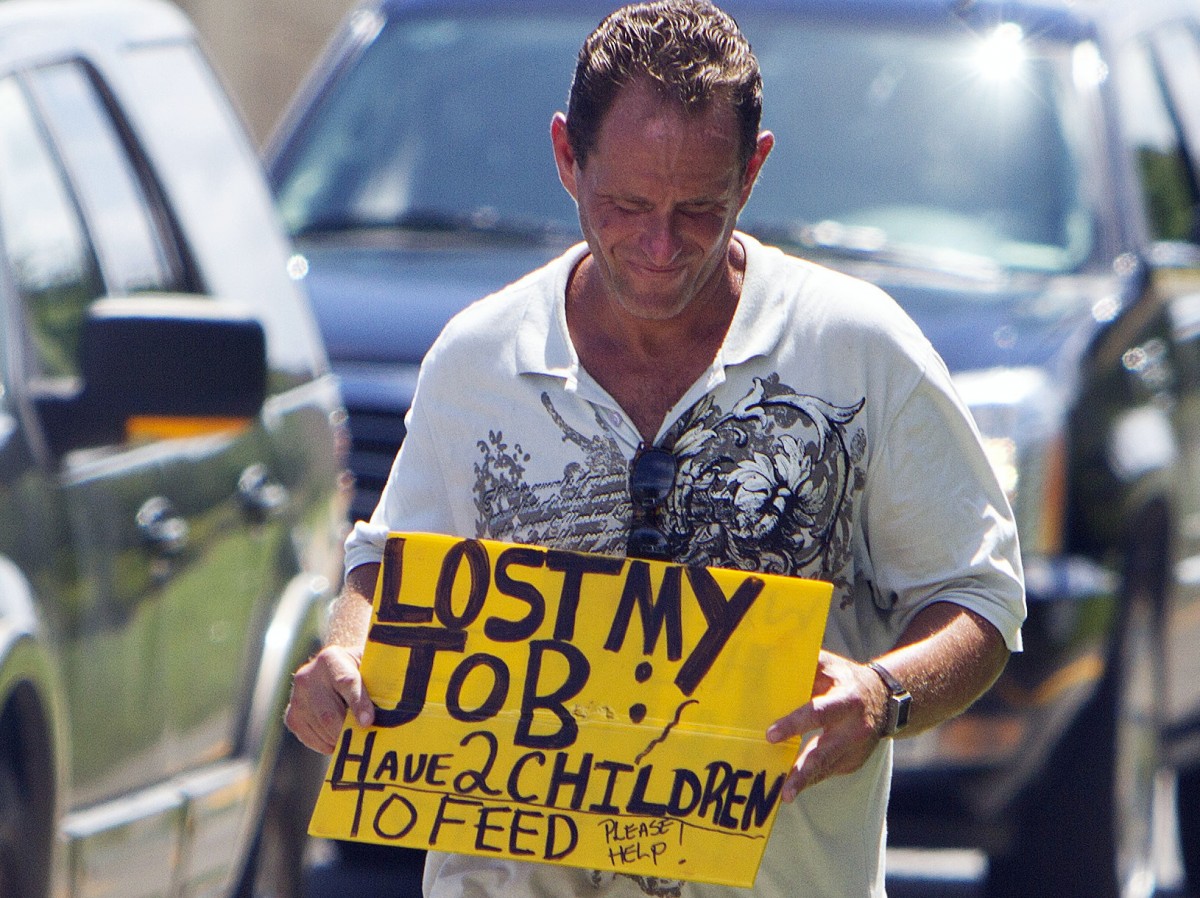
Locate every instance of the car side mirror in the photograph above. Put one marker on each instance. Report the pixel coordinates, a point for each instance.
(161, 366)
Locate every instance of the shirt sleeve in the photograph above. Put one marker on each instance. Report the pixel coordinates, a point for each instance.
(937, 525)
(414, 499)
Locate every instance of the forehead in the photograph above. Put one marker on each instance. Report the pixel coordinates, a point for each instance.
(641, 107)
(642, 130)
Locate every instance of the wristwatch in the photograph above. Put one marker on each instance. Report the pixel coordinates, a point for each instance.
(899, 700)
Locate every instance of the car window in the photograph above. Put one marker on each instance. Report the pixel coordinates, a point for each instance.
(417, 135)
(1179, 56)
(1152, 137)
(127, 228)
(967, 144)
(47, 249)
(208, 166)
(964, 144)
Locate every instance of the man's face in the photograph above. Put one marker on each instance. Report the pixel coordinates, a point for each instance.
(658, 199)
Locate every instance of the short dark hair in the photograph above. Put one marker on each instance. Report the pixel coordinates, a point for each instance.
(690, 51)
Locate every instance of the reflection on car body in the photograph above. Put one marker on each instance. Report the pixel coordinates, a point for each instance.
(170, 517)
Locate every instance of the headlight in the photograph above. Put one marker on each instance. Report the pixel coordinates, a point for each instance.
(1019, 412)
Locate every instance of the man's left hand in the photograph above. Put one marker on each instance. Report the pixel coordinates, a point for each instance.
(847, 710)
(947, 657)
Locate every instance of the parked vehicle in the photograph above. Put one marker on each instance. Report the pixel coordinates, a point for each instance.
(1022, 175)
(170, 508)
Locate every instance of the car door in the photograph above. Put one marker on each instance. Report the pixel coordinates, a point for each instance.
(108, 609)
(207, 521)
(225, 486)
(1161, 110)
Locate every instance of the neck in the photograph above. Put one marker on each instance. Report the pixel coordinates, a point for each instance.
(648, 365)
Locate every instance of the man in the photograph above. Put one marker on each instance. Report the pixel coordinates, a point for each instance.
(770, 414)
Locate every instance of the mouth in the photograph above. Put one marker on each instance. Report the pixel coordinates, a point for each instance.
(657, 272)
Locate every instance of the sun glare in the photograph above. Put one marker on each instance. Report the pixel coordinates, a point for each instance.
(1002, 54)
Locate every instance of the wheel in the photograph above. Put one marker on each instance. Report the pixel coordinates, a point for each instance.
(1189, 827)
(25, 822)
(1087, 830)
(281, 855)
(12, 870)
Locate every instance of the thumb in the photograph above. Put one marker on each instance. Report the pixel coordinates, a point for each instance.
(348, 683)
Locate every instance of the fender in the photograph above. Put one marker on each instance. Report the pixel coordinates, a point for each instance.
(292, 635)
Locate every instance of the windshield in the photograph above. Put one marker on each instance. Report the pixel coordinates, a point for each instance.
(939, 149)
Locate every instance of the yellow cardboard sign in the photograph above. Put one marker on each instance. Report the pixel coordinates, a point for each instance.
(576, 709)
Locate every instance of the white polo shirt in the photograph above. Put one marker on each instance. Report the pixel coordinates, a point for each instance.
(825, 441)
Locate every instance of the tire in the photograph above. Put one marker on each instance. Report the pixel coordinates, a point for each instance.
(1189, 827)
(12, 811)
(280, 858)
(25, 821)
(1087, 830)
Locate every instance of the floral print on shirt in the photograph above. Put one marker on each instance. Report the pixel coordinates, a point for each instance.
(768, 485)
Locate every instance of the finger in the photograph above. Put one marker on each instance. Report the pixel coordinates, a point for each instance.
(315, 717)
(322, 690)
(805, 771)
(805, 719)
(825, 676)
(834, 751)
(300, 719)
(820, 758)
(305, 732)
(797, 723)
(347, 683)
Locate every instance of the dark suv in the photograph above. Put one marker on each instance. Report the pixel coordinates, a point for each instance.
(1023, 178)
(171, 442)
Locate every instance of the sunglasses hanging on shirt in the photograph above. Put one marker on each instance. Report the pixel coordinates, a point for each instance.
(651, 478)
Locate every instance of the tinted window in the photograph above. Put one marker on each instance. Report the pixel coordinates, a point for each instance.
(967, 145)
(44, 240)
(1153, 139)
(1179, 56)
(212, 176)
(962, 144)
(418, 132)
(123, 222)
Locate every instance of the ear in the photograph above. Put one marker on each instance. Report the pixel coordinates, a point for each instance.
(564, 156)
(762, 149)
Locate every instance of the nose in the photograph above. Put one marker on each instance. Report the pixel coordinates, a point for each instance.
(660, 240)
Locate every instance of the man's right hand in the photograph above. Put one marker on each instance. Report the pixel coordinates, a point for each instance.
(330, 683)
(323, 690)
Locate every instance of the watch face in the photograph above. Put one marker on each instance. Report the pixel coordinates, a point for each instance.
(899, 700)
(898, 707)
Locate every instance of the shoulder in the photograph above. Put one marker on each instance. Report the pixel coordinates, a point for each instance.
(488, 330)
(813, 308)
(833, 294)
(511, 303)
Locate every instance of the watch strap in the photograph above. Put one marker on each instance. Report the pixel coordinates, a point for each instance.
(899, 700)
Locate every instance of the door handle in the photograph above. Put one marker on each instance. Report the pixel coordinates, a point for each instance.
(161, 528)
(261, 497)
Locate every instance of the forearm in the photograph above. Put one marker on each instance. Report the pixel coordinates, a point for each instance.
(947, 658)
(330, 683)
(350, 618)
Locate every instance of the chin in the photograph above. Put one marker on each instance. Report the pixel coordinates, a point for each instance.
(653, 308)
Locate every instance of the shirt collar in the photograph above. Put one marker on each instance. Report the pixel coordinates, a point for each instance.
(542, 342)
(761, 315)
